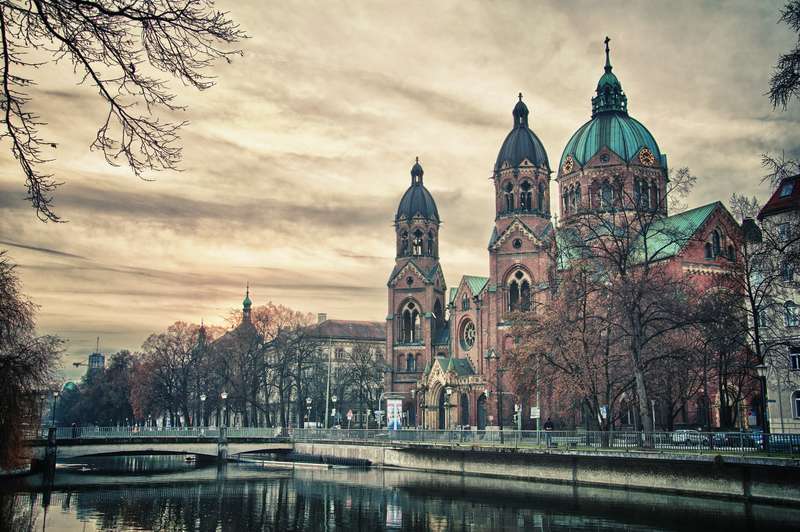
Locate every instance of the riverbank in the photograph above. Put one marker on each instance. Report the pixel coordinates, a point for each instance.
(750, 478)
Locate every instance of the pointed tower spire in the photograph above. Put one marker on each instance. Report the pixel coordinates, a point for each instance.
(416, 173)
(246, 304)
(610, 96)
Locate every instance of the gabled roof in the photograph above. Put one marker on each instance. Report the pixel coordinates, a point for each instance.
(785, 198)
(350, 329)
(668, 236)
(453, 292)
(475, 283)
(429, 275)
(518, 224)
(460, 366)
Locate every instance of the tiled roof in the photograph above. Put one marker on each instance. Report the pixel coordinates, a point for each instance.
(461, 366)
(475, 283)
(351, 329)
(453, 292)
(667, 237)
(780, 201)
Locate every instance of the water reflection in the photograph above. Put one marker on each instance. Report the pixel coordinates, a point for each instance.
(136, 493)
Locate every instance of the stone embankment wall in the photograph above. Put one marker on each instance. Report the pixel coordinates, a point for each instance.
(736, 477)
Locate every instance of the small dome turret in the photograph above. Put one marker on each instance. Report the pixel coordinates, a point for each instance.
(417, 201)
(521, 144)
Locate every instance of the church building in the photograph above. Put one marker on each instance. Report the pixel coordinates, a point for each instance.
(446, 347)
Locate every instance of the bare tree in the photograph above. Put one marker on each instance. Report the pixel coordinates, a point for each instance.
(785, 81)
(118, 47)
(27, 363)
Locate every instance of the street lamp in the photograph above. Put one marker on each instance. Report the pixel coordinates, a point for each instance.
(492, 355)
(448, 392)
(333, 412)
(224, 396)
(55, 403)
(202, 409)
(308, 409)
(763, 371)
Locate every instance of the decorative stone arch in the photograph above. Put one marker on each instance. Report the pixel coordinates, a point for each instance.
(507, 195)
(410, 322)
(518, 283)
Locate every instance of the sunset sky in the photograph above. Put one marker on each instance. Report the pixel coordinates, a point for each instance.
(295, 161)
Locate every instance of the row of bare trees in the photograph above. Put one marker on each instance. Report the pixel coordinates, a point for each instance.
(268, 364)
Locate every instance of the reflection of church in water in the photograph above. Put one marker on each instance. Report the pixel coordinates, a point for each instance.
(445, 369)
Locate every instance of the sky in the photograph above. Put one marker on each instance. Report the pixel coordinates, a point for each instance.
(295, 161)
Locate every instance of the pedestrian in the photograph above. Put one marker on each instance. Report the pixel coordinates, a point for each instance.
(548, 428)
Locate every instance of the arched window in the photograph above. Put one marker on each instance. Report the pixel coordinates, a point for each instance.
(438, 319)
(508, 195)
(654, 199)
(410, 363)
(607, 196)
(431, 244)
(416, 246)
(716, 243)
(791, 319)
(645, 201)
(465, 302)
(410, 330)
(566, 203)
(519, 291)
(404, 243)
(577, 198)
(709, 251)
(731, 253)
(540, 199)
(526, 196)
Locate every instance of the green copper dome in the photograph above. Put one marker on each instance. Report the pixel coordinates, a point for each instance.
(611, 126)
(247, 303)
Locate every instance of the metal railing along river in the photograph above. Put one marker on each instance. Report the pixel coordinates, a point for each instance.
(680, 441)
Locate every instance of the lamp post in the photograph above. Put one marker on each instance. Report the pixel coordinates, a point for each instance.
(308, 410)
(55, 403)
(202, 410)
(448, 391)
(653, 411)
(224, 397)
(333, 410)
(492, 355)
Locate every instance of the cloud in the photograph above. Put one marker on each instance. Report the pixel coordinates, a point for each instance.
(295, 161)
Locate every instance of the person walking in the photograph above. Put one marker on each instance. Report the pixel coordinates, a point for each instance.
(548, 428)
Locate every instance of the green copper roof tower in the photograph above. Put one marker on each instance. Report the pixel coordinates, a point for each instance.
(611, 126)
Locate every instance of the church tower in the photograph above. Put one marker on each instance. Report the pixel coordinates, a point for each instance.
(415, 325)
(612, 162)
(519, 264)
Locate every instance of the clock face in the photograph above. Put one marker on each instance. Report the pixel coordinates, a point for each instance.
(646, 157)
(569, 164)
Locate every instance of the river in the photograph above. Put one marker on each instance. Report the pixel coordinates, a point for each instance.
(166, 493)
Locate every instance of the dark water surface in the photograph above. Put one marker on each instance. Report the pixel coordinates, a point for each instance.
(166, 493)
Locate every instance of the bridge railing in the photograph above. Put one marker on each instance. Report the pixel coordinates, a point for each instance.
(685, 441)
(67, 433)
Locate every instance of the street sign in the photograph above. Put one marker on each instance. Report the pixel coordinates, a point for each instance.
(535, 413)
(349, 415)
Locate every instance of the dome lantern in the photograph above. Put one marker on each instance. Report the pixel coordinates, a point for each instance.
(521, 144)
(417, 201)
(610, 96)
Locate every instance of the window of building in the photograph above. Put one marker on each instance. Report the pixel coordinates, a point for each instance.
(431, 247)
(794, 358)
(787, 272)
(791, 318)
(519, 291)
(410, 363)
(654, 196)
(404, 243)
(731, 253)
(467, 335)
(796, 403)
(786, 189)
(577, 197)
(465, 302)
(416, 246)
(540, 198)
(508, 194)
(762, 319)
(606, 196)
(709, 251)
(410, 329)
(716, 242)
(525, 197)
(339, 353)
